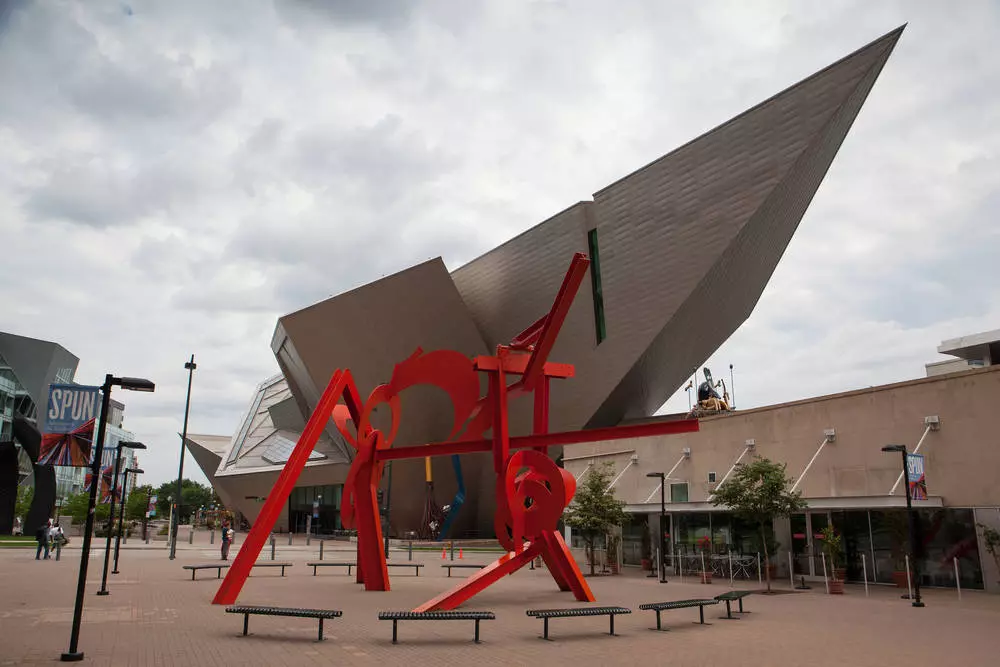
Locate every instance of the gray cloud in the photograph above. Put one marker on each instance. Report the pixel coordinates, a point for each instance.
(175, 178)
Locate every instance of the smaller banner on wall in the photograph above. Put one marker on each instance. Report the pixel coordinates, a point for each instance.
(915, 473)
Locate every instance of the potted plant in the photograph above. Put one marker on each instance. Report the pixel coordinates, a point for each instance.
(704, 547)
(831, 547)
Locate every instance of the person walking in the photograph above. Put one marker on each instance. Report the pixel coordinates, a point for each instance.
(42, 536)
(227, 539)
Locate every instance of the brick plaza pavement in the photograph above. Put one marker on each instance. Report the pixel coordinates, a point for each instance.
(156, 615)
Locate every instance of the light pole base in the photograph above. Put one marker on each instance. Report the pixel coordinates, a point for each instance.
(72, 657)
(918, 603)
(102, 593)
(114, 571)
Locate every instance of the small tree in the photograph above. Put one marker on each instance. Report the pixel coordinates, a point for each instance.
(831, 546)
(758, 492)
(25, 494)
(595, 510)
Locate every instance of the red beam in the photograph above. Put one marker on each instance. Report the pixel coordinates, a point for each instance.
(553, 323)
(541, 441)
(516, 363)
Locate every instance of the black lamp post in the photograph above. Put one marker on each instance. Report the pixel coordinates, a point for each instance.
(111, 515)
(121, 514)
(663, 523)
(132, 384)
(914, 525)
(190, 366)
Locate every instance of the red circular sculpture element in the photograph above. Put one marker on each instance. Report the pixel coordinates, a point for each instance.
(532, 501)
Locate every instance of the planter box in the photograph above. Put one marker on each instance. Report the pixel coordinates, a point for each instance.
(706, 577)
(899, 578)
(836, 587)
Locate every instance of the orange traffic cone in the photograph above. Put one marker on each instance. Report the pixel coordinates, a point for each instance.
(443, 555)
(460, 553)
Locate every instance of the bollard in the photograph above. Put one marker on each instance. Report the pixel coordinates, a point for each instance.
(680, 567)
(272, 546)
(147, 537)
(308, 539)
(825, 580)
(191, 537)
(59, 556)
(289, 538)
(791, 571)
(703, 564)
(321, 543)
(759, 578)
(864, 569)
(411, 550)
(731, 585)
(211, 537)
(452, 545)
(909, 586)
(958, 583)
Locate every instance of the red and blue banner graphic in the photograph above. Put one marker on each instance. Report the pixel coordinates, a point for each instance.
(107, 473)
(69, 425)
(915, 475)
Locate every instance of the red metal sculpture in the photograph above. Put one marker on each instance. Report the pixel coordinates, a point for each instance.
(531, 490)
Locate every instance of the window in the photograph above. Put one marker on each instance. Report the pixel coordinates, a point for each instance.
(679, 493)
(711, 478)
(595, 281)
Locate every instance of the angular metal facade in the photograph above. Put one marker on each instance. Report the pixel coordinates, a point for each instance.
(685, 244)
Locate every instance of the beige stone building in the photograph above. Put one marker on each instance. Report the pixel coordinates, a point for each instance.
(831, 446)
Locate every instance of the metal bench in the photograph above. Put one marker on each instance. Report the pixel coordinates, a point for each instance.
(194, 569)
(274, 564)
(318, 564)
(678, 604)
(463, 566)
(546, 614)
(729, 598)
(416, 566)
(396, 616)
(321, 614)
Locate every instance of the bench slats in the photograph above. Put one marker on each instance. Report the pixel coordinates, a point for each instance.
(396, 616)
(583, 611)
(320, 614)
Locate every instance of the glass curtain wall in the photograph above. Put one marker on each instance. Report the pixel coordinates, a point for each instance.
(300, 508)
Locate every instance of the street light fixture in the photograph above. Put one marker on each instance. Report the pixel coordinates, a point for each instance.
(663, 523)
(121, 514)
(131, 384)
(111, 516)
(914, 525)
(190, 366)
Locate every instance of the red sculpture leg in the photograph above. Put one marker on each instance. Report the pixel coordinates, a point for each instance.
(340, 384)
(557, 557)
(554, 566)
(506, 564)
(372, 570)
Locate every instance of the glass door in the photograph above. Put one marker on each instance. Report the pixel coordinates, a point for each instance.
(800, 544)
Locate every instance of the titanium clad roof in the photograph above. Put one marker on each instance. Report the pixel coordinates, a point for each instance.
(686, 244)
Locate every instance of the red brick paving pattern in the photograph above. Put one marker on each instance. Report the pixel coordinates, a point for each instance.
(156, 615)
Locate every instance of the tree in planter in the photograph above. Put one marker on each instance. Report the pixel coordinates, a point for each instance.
(595, 510)
(832, 544)
(759, 492)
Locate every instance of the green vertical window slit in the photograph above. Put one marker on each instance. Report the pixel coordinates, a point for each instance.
(595, 281)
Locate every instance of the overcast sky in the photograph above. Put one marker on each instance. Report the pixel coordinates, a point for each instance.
(176, 175)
